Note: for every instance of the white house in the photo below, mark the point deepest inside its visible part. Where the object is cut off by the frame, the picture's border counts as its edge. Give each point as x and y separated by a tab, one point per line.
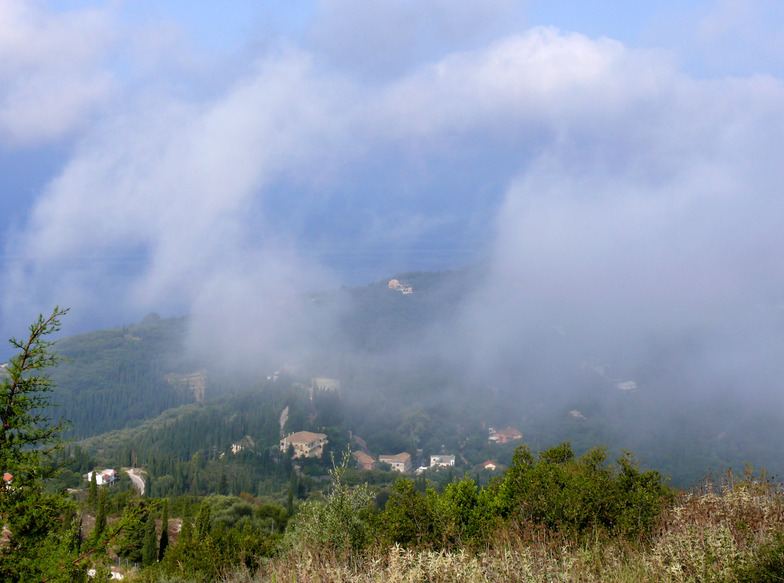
102	476
399	463
442	461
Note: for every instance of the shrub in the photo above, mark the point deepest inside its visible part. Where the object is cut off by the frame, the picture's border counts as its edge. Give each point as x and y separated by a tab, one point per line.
337	523
577	495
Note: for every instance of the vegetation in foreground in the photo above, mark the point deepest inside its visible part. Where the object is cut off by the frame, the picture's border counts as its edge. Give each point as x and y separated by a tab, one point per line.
550	518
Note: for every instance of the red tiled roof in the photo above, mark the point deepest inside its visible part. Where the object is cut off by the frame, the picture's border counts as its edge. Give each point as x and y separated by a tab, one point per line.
401	457
363	458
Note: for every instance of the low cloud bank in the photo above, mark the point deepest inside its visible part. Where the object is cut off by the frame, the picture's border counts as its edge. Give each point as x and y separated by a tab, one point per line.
623	208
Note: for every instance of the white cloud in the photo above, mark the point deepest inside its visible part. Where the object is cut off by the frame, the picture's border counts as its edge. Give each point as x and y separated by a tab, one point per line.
181	183
544	76
51	75
632	185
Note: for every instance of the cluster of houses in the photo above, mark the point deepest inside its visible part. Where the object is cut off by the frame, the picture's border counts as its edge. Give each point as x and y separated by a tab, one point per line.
306	444
400	286
401	462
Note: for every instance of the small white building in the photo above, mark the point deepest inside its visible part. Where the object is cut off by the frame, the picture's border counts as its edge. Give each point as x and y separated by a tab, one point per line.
442	461
399	463
102	477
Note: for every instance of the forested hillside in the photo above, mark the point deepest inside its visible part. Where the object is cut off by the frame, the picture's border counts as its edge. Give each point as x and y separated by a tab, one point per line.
118	377
399	392
380	318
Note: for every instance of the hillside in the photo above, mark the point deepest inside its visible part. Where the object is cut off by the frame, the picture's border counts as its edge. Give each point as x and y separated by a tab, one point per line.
399	391
118	377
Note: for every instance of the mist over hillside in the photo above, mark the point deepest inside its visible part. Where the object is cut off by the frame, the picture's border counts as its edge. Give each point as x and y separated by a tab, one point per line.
442	354
615	184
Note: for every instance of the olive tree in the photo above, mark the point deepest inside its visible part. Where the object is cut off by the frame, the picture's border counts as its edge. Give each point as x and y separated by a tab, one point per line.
336	524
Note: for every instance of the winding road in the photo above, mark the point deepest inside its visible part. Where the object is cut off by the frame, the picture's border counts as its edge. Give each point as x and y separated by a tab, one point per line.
136	478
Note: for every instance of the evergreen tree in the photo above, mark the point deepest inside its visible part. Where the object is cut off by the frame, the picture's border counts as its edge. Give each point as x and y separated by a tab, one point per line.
75	542
203	521
293	490
186	532
92	494
100	519
223	484
150	546
37	544
164	542
135	530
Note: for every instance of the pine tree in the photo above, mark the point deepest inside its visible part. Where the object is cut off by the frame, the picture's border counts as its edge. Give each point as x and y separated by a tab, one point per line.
37	544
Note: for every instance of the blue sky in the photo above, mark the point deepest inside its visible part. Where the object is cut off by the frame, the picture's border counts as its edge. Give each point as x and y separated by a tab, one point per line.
193	156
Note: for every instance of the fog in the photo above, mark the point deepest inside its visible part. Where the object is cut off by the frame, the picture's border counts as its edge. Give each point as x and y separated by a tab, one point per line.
621	198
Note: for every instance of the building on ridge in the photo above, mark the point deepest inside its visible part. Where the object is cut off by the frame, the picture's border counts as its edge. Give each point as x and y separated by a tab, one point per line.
305	444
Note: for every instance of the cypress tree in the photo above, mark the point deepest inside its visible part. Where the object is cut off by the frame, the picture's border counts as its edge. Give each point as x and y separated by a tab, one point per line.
150	546
186	532
164	542
203	521
100	519
223	484
92	495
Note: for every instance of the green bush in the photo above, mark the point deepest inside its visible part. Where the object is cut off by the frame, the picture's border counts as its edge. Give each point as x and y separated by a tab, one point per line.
338	522
577	495
410	517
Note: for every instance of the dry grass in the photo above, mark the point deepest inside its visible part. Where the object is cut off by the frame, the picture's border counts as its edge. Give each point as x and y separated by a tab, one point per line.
708	533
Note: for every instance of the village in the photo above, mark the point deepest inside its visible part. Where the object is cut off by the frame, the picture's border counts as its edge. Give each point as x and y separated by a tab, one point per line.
307	444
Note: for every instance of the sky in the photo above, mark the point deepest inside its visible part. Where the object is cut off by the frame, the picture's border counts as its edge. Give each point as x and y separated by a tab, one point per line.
615	164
